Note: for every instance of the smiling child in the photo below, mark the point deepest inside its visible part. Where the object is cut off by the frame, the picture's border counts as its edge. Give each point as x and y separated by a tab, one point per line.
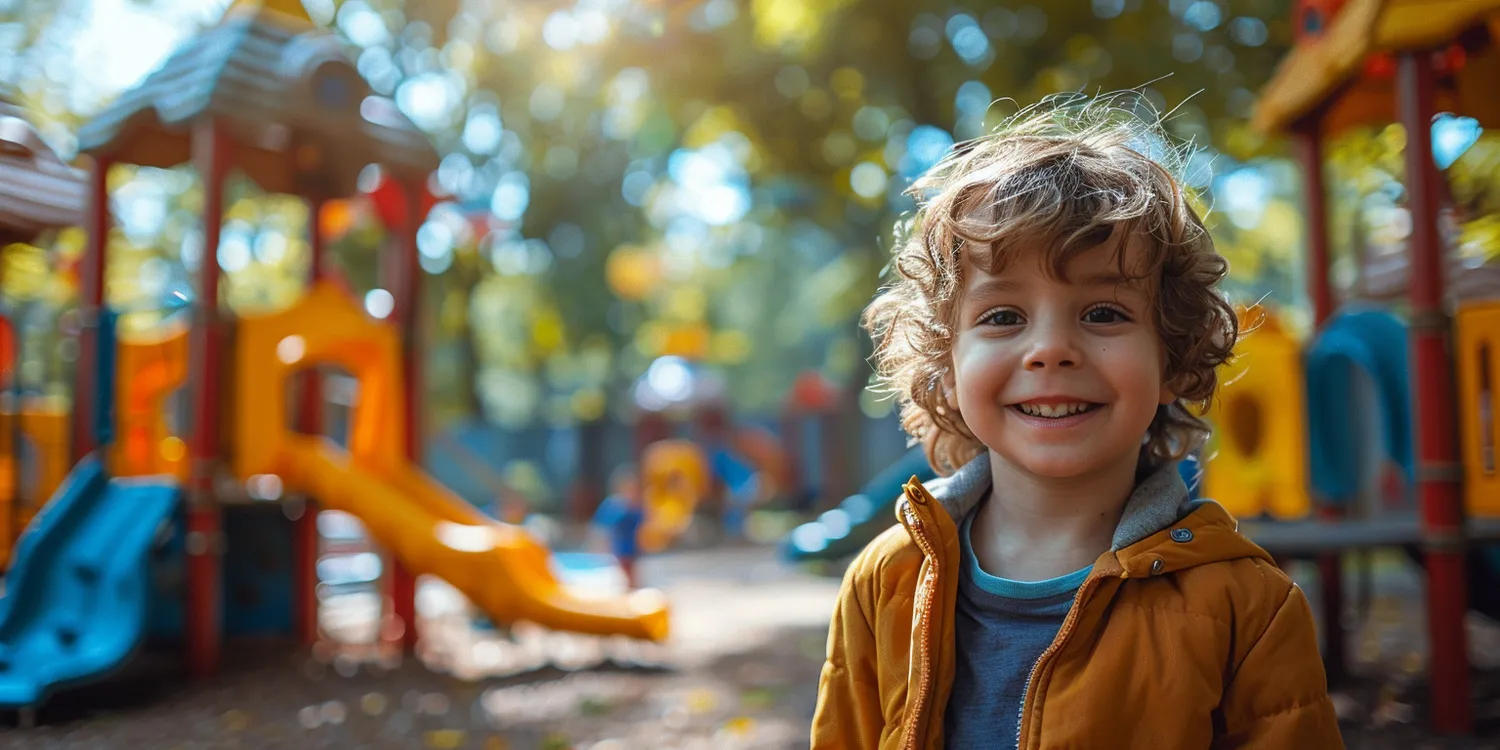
1053	316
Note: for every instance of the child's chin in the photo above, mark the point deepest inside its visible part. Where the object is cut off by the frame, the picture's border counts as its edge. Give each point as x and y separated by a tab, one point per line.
1059	467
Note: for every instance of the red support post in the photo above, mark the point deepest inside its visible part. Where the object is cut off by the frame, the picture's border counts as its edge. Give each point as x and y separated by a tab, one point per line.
1438	471
95	268
211	152
405	288
1309	144
310	421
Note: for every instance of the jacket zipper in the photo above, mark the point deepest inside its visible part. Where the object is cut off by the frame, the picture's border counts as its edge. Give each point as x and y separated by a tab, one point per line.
929	584
1057	643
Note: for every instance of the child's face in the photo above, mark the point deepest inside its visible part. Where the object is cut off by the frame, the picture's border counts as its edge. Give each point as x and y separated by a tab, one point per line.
1059	379
628	486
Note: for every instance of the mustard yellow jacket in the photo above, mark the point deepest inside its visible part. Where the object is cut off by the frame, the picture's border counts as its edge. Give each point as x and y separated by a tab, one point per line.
1184	635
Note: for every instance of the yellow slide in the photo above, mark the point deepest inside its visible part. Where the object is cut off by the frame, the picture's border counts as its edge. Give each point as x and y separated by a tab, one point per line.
499	567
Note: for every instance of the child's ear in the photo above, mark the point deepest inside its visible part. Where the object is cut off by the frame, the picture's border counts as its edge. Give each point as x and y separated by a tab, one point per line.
1167	395
950	390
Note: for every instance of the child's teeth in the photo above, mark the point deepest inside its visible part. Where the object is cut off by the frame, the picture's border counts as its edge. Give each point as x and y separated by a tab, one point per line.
1053	411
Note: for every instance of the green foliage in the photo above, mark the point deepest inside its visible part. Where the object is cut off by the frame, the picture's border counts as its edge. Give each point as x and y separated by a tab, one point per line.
583	128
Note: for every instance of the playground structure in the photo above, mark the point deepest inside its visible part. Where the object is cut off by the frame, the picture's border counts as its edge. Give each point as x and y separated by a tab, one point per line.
819	468
38	193
694	459
1378	61
76	607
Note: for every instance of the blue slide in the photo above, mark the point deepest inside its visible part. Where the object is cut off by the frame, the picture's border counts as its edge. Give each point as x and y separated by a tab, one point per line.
1374	341
845	530
76	599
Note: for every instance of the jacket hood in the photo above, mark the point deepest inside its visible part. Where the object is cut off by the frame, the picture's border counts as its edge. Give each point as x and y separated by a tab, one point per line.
1160	521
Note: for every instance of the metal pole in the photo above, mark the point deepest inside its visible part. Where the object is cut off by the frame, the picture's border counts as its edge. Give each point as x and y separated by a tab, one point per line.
1438	470
204	535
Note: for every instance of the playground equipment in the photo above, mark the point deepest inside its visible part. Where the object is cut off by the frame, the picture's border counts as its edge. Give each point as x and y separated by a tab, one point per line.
1260	437
43	425
1358	62
681	476
500	567
859	518
674	477
76	602
151	367
266	92
817	468
1373	342
1478	347
37	193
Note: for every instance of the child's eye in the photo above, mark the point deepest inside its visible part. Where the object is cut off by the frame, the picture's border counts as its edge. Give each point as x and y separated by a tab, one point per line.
1002	318
1105	314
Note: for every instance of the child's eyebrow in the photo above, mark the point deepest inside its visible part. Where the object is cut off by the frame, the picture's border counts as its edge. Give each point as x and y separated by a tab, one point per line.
1110	279
996	285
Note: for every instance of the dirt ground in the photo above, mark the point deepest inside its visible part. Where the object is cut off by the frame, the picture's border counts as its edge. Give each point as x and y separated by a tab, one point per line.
740	672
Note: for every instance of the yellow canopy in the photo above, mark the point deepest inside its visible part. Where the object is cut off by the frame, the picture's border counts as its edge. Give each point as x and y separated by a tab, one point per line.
1327	70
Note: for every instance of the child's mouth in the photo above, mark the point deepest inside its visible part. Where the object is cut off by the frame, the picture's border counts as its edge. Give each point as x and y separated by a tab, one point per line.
1056	411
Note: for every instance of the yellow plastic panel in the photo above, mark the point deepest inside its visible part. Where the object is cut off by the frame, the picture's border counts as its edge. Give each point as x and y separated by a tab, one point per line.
674	477
1477	330
325	327
1257	457
150	369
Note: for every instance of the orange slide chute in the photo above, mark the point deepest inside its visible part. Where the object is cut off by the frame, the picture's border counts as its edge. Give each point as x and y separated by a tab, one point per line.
499	567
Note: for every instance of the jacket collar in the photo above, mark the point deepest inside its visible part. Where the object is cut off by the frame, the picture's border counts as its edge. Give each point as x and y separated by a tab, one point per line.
1201	531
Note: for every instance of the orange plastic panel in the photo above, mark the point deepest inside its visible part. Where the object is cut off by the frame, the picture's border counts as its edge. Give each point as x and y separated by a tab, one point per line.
1477	334
150	369
47	425
674	476
1257	456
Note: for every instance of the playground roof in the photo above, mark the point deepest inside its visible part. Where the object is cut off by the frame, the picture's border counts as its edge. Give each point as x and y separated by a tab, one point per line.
302	119
37	190
1328	70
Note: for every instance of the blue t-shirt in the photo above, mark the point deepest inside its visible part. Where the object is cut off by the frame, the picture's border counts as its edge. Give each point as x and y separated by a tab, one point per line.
622	522
1001	627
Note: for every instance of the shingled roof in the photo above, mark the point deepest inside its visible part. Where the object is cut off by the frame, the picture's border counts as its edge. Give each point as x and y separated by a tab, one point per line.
37	190
301	117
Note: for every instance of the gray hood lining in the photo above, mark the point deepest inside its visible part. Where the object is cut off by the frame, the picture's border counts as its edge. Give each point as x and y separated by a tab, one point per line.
1157	502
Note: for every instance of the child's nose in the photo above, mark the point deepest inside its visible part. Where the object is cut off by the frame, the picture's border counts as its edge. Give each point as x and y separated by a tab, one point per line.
1052	349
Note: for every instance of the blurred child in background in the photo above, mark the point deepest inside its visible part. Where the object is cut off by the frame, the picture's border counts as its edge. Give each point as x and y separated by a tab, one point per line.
620	517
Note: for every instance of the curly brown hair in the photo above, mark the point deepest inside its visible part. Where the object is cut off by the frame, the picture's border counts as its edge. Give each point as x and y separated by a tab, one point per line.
1068	175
